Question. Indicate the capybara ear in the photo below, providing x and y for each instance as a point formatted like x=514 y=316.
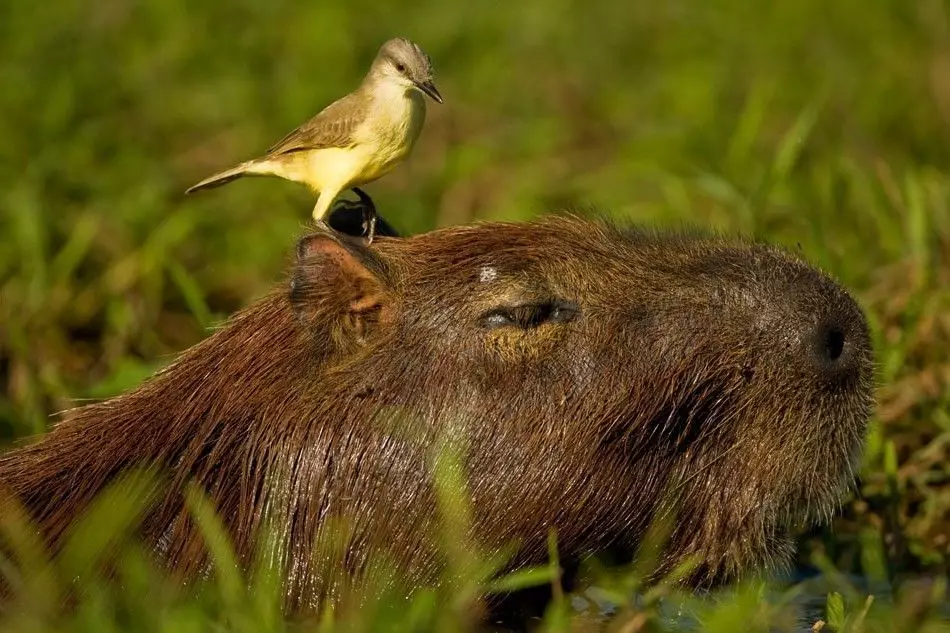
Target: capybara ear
x=338 y=284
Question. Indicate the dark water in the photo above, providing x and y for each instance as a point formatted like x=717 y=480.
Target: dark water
x=808 y=604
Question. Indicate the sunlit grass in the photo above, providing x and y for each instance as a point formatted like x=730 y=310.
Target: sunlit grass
x=103 y=579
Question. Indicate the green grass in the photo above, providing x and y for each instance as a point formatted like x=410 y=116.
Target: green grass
x=113 y=584
x=824 y=126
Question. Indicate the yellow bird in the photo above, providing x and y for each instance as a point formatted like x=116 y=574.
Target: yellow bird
x=357 y=138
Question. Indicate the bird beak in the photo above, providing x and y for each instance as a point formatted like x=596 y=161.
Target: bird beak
x=429 y=88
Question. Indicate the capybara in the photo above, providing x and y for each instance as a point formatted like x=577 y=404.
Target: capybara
x=593 y=377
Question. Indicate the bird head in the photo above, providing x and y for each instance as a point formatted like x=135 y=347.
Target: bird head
x=406 y=63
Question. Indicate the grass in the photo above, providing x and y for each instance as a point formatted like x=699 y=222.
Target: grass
x=113 y=584
x=821 y=126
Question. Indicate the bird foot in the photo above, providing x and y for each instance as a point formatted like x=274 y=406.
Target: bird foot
x=368 y=209
x=369 y=227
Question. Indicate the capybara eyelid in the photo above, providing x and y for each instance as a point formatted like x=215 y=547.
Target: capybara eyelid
x=496 y=318
x=564 y=311
x=529 y=315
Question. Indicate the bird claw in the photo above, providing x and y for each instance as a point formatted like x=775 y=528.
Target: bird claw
x=342 y=218
x=368 y=209
x=369 y=225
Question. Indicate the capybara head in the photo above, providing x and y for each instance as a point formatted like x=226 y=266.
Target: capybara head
x=595 y=376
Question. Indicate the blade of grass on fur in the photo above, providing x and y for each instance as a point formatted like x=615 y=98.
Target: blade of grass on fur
x=554 y=564
x=673 y=579
x=454 y=512
x=650 y=551
x=557 y=616
x=227 y=572
x=266 y=577
x=109 y=520
x=31 y=576
x=421 y=611
x=522 y=579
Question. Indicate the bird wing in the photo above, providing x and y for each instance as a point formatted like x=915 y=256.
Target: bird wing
x=331 y=127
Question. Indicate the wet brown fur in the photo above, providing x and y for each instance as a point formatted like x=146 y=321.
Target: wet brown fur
x=690 y=367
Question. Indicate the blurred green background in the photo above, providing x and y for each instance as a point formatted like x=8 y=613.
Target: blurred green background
x=824 y=126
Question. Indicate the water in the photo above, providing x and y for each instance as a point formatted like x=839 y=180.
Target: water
x=804 y=593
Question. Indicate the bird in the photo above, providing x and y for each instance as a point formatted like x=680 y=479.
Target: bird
x=357 y=138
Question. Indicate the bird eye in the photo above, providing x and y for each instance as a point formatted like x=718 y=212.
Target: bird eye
x=401 y=68
x=529 y=315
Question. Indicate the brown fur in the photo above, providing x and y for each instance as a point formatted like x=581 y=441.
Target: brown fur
x=694 y=365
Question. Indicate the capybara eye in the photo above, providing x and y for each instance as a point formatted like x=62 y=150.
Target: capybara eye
x=529 y=315
x=499 y=317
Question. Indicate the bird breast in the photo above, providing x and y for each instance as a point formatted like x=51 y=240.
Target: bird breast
x=396 y=123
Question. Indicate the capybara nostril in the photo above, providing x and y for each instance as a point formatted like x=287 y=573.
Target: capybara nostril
x=827 y=347
x=838 y=343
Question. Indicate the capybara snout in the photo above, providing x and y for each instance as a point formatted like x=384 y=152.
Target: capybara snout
x=816 y=327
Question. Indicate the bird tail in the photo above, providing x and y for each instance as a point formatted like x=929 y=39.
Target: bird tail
x=223 y=178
